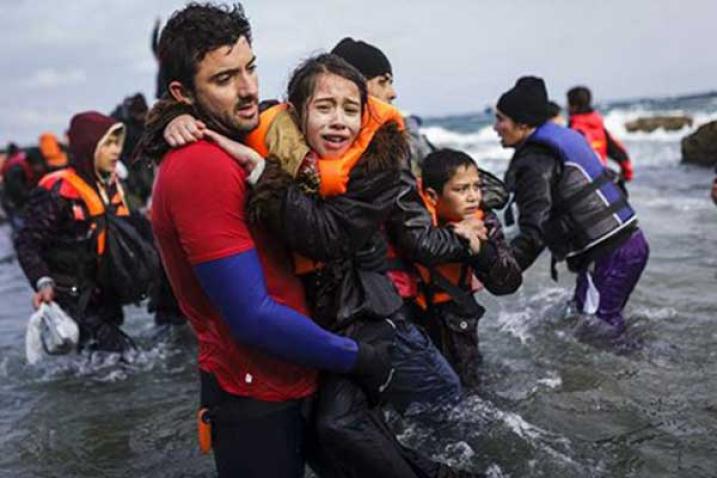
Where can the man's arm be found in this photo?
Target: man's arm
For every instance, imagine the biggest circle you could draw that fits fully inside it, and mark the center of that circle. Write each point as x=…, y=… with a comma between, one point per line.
x=534, y=200
x=235, y=285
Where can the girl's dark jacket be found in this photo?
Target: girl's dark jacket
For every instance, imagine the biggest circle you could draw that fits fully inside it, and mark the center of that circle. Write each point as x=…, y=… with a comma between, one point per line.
x=345, y=233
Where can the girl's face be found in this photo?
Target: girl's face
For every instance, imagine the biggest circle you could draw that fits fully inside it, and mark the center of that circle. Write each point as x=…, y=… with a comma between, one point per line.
x=332, y=116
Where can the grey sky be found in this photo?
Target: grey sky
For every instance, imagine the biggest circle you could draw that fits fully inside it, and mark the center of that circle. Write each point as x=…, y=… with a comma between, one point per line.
x=64, y=56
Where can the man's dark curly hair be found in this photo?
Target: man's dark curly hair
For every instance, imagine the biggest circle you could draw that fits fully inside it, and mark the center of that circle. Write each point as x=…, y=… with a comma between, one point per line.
x=193, y=32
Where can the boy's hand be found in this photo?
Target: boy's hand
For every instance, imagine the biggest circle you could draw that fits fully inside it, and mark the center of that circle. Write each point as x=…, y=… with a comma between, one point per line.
x=474, y=230
x=184, y=129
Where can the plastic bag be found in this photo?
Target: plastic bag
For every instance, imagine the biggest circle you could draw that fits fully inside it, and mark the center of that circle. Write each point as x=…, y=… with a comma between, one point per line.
x=50, y=331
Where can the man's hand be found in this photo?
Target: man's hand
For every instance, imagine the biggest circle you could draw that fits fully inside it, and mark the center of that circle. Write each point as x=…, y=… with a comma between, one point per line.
x=243, y=154
x=473, y=230
x=184, y=129
x=45, y=294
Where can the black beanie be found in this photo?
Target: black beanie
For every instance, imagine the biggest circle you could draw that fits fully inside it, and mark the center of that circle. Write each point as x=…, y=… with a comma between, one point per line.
x=367, y=59
x=526, y=102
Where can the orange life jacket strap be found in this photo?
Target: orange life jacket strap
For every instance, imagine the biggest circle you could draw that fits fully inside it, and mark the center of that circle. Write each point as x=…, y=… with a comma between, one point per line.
x=256, y=139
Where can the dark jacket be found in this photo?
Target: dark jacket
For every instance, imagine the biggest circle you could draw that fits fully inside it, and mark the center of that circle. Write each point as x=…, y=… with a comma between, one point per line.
x=536, y=178
x=344, y=232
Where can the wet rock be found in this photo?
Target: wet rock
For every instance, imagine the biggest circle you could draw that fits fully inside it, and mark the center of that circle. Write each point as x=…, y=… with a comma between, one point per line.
x=700, y=147
x=668, y=123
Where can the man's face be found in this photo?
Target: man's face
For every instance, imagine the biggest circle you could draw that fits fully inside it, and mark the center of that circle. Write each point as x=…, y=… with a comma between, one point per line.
x=381, y=87
x=511, y=133
x=226, y=87
x=461, y=195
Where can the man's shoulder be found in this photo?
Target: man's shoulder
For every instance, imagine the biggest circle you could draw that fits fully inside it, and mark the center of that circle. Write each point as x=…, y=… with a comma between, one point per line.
x=197, y=151
x=534, y=155
x=201, y=158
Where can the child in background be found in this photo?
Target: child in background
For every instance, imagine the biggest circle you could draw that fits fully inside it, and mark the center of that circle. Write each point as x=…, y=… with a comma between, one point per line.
x=589, y=123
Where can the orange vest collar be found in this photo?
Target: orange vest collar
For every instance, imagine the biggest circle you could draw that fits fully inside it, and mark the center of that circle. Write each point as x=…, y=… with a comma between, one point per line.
x=334, y=173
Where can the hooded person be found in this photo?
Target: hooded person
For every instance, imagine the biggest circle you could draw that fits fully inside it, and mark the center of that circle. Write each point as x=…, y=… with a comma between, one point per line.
x=67, y=248
x=567, y=202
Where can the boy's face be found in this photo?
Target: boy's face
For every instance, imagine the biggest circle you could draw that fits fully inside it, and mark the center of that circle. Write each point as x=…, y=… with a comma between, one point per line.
x=107, y=154
x=461, y=195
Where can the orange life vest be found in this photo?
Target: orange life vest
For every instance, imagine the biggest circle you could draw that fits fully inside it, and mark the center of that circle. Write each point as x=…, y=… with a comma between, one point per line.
x=52, y=151
x=333, y=172
x=458, y=274
x=591, y=126
x=74, y=188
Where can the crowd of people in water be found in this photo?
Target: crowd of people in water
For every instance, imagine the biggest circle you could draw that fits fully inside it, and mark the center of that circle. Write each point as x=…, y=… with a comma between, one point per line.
x=323, y=251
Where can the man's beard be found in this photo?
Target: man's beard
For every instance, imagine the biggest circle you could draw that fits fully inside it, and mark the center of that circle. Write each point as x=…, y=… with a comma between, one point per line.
x=223, y=124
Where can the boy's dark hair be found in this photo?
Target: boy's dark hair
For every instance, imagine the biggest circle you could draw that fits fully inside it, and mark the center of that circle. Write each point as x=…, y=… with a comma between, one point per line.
x=193, y=32
x=580, y=99
x=303, y=79
x=439, y=167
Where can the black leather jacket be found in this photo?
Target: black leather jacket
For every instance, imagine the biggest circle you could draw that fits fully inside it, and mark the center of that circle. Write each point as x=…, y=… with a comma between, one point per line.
x=532, y=178
x=345, y=233
x=410, y=229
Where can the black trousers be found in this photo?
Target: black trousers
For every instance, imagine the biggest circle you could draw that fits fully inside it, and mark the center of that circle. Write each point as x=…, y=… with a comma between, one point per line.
x=252, y=438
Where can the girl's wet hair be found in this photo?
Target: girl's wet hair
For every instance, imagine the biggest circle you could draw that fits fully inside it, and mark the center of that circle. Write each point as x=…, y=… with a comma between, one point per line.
x=303, y=79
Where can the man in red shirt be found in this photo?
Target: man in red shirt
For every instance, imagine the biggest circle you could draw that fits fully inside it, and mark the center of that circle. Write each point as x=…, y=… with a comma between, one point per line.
x=258, y=350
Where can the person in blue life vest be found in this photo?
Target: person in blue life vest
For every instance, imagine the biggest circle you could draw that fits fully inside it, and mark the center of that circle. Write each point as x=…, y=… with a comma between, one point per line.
x=566, y=202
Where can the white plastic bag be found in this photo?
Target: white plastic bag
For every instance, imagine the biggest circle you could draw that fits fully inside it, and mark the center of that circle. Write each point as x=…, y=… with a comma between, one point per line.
x=592, y=296
x=50, y=331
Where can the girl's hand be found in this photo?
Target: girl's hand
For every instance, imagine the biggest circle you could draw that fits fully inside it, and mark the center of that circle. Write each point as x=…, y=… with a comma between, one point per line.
x=243, y=154
x=184, y=129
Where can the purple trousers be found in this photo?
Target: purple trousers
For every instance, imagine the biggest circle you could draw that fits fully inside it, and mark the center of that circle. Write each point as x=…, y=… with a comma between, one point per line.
x=605, y=285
